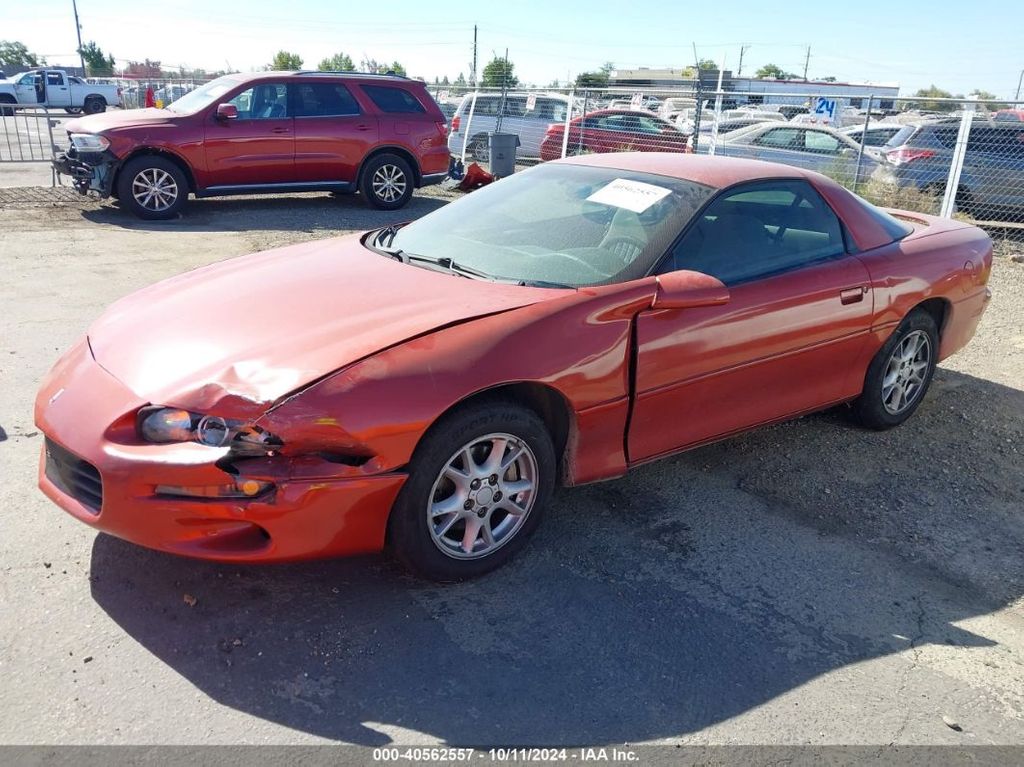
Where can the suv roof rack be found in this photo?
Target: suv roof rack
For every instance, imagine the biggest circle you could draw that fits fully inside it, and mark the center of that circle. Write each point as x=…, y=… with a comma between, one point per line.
x=382, y=75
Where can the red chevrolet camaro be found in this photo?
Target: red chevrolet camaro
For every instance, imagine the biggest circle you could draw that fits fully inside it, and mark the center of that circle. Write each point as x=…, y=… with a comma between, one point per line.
x=425, y=387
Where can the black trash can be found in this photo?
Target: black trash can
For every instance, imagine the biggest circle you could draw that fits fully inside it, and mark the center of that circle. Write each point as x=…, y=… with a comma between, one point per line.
x=503, y=154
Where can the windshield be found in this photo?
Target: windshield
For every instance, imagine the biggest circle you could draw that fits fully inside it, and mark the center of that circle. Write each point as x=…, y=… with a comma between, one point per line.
x=203, y=96
x=559, y=224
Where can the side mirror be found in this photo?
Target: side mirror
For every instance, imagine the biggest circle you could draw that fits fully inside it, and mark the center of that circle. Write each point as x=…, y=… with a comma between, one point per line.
x=686, y=290
x=227, y=112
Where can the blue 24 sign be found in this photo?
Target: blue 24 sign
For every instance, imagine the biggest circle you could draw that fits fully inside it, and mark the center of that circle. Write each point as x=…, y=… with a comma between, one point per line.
x=825, y=107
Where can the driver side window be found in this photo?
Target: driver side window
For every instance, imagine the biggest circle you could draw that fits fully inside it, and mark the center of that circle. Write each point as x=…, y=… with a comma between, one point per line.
x=759, y=230
x=268, y=101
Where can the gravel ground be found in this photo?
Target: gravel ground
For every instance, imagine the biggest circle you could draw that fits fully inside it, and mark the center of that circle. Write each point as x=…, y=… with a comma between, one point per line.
x=805, y=583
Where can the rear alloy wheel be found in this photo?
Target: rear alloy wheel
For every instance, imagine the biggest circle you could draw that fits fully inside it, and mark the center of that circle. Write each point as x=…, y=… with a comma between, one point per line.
x=387, y=182
x=152, y=187
x=73, y=110
x=477, y=487
x=900, y=373
x=94, y=105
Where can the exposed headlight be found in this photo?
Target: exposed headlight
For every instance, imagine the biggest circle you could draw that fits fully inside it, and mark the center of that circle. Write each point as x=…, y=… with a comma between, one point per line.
x=89, y=142
x=164, y=424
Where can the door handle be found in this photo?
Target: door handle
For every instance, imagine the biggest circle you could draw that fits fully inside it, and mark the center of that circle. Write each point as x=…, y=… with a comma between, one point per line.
x=280, y=130
x=362, y=127
x=852, y=295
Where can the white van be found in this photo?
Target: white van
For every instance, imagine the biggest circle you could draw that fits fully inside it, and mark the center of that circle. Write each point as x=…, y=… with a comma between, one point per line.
x=526, y=115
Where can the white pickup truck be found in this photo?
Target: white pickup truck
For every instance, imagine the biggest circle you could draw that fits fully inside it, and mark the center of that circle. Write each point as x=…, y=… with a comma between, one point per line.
x=55, y=89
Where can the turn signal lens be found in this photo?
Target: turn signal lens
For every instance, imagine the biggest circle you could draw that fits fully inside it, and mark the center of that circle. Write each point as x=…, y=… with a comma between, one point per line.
x=242, y=488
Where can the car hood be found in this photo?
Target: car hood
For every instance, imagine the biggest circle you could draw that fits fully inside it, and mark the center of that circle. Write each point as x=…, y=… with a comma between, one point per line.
x=120, y=118
x=236, y=336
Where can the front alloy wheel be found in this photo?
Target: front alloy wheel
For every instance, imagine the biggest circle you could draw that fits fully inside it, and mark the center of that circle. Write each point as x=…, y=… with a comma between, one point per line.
x=478, y=483
x=152, y=187
x=155, y=190
x=483, y=496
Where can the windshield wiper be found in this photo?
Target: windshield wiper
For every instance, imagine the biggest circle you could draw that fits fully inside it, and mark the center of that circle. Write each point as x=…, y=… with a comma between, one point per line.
x=448, y=264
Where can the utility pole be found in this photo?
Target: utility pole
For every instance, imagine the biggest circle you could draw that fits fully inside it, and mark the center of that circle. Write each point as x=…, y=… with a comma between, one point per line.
x=473, y=78
x=807, y=62
x=1019, y=81
x=78, y=31
x=739, y=69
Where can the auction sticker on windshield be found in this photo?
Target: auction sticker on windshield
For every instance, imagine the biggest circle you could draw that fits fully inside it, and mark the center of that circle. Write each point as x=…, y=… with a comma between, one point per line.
x=631, y=195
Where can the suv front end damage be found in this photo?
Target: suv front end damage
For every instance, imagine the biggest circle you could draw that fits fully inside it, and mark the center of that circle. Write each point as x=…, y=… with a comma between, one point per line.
x=88, y=171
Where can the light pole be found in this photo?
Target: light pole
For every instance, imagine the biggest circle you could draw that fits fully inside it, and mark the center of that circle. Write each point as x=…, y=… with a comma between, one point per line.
x=78, y=31
x=1019, y=81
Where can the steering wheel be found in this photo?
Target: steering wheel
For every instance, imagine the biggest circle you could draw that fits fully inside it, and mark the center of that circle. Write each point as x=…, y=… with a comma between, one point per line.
x=625, y=247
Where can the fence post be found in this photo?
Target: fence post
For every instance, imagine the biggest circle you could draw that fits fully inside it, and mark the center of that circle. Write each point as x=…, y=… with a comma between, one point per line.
x=957, y=164
x=568, y=119
x=863, y=138
x=469, y=122
x=697, y=113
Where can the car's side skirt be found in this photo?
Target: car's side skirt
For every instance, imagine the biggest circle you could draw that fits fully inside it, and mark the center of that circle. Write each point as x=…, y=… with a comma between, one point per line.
x=291, y=186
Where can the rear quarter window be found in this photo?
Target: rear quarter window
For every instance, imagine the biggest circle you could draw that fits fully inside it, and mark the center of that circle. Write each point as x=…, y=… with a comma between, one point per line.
x=393, y=100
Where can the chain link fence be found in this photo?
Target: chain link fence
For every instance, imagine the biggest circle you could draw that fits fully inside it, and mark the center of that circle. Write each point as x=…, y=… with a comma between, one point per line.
x=908, y=153
x=165, y=90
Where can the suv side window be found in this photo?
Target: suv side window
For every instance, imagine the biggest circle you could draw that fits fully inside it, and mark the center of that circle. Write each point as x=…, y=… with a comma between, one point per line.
x=267, y=101
x=323, y=100
x=758, y=230
x=393, y=100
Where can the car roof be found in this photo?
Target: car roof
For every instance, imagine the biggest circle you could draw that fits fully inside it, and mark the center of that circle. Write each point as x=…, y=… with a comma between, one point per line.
x=718, y=172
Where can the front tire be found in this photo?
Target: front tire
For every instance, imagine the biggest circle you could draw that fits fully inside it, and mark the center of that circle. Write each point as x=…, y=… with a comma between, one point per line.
x=900, y=373
x=387, y=182
x=152, y=187
x=6, y=106
x=478, y=484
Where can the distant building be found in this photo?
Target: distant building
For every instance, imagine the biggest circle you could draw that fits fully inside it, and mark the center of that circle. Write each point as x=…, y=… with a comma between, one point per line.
x=753, y=90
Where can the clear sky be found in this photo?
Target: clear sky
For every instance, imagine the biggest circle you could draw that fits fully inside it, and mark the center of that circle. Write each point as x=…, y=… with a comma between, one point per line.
x=957, y=46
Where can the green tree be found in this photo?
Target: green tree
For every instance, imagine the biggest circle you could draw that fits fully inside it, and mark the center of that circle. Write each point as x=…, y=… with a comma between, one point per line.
x=499, y=73
x=771, y=70
x=932, y=92
x=286, y=61
x=97, y=63
x=339, y=62
x=707, y=64
x=444, y=80
x=461, y=79
x=597, y=79
x=15, y=54
x=397, y=68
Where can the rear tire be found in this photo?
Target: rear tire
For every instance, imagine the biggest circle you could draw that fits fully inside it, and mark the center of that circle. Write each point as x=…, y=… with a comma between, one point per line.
x=459, y=515
x=5, y=110
x=73, y=110
x=94, y=105
x=152, y=187
x=900, y=373
x=387, y=182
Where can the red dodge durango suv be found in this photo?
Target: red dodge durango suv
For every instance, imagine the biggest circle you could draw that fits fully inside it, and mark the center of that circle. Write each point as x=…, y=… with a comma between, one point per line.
x=267, y=132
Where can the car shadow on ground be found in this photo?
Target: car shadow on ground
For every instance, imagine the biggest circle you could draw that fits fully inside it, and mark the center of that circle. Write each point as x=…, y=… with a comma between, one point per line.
x=682, y=595
x=306, y=212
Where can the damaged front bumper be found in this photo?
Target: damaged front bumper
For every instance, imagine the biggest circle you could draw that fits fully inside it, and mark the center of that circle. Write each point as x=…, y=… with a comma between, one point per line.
x=89, y=172
x=96, y=468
